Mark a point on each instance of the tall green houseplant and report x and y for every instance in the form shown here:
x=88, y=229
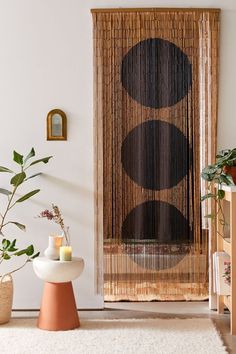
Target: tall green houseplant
x=8, y=248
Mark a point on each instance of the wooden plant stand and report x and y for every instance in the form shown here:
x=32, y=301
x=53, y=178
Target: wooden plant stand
x=226, y=241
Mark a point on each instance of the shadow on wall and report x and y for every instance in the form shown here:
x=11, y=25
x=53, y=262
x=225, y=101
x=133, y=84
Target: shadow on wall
x=79, y=214
x=69, y=186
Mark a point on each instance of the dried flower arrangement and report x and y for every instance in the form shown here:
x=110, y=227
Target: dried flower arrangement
x=227, y=275
x=56, y=216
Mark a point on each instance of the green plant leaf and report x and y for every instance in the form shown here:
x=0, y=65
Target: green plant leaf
x=19, y=225
x=30, y=250
x=222, y=153
x=18, y=179
x=207, y=177
x=35, y=255
x=208, y=195
x=5, y=191
x=20, y=253
x=224, y=179
x=44, y=160
x=6, y=243
x=220, y=193
x=230, y=179
x=5, y=169
x=30, y=154
x=211, y=169
x=228, y=159
x=6, y=256
x=35, y=175
x=27, y=196
x=18, y=158
x=12, y=248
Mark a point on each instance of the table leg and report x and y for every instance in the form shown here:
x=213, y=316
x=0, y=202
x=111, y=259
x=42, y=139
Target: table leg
x=58, y=310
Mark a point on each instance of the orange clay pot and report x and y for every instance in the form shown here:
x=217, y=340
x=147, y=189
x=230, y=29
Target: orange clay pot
x=230, y=171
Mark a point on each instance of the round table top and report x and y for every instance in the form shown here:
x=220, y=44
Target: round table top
x=47, y=260
x=58, y=271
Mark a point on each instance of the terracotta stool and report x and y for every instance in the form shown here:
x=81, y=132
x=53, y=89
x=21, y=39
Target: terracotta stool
x=58, y=310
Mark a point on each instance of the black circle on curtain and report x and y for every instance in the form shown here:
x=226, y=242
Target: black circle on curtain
x=156, y=220
x=155, y=155
x=156, y=73
x=162, y=223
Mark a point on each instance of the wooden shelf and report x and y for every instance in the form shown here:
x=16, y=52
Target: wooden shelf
x=227, y=302
x=228, y=245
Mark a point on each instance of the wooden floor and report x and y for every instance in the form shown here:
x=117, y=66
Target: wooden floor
x=157, y=310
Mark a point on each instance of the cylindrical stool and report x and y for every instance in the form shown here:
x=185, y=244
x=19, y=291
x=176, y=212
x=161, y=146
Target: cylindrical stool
x=58, y=310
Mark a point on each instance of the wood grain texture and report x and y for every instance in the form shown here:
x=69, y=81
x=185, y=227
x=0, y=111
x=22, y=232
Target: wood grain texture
x=154, y=9
x=226, y=241
x=233, y=263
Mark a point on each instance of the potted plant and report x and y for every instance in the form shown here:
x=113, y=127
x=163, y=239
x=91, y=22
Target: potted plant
x=222, y=172
x=8, y=248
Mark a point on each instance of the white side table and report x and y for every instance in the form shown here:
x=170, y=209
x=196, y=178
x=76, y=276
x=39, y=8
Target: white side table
x=58, y=310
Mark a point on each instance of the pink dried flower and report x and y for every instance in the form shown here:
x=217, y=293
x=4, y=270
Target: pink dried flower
x=46, y=214
x=227, y=273
x=56, y=216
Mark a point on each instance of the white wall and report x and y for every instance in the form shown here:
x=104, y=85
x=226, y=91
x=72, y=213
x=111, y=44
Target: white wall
x=46, y=62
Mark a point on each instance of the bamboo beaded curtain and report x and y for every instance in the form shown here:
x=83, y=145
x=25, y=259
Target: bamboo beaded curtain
x=155, y=75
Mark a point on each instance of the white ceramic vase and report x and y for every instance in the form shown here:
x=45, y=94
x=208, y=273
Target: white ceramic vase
x=53, y=250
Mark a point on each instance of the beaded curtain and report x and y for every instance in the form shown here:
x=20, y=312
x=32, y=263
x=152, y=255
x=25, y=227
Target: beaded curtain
x=155, y=99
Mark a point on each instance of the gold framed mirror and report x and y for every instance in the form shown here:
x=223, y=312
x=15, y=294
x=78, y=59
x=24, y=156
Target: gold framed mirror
x=56, y=125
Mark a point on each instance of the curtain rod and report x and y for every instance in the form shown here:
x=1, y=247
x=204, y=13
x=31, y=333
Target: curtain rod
x=157, y=9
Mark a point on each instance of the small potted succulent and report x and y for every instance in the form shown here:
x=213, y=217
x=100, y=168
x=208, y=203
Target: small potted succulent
x=222, y=172
x=8, y=247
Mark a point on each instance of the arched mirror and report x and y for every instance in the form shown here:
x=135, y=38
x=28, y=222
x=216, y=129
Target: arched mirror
x=56, y=125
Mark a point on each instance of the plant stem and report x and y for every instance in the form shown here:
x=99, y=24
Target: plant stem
x=6, y=223
x=221, y=211
x=15, y=270
x=8, y=207
x=65, y=232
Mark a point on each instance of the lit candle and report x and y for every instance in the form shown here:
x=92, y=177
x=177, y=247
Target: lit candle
x=65, y=253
